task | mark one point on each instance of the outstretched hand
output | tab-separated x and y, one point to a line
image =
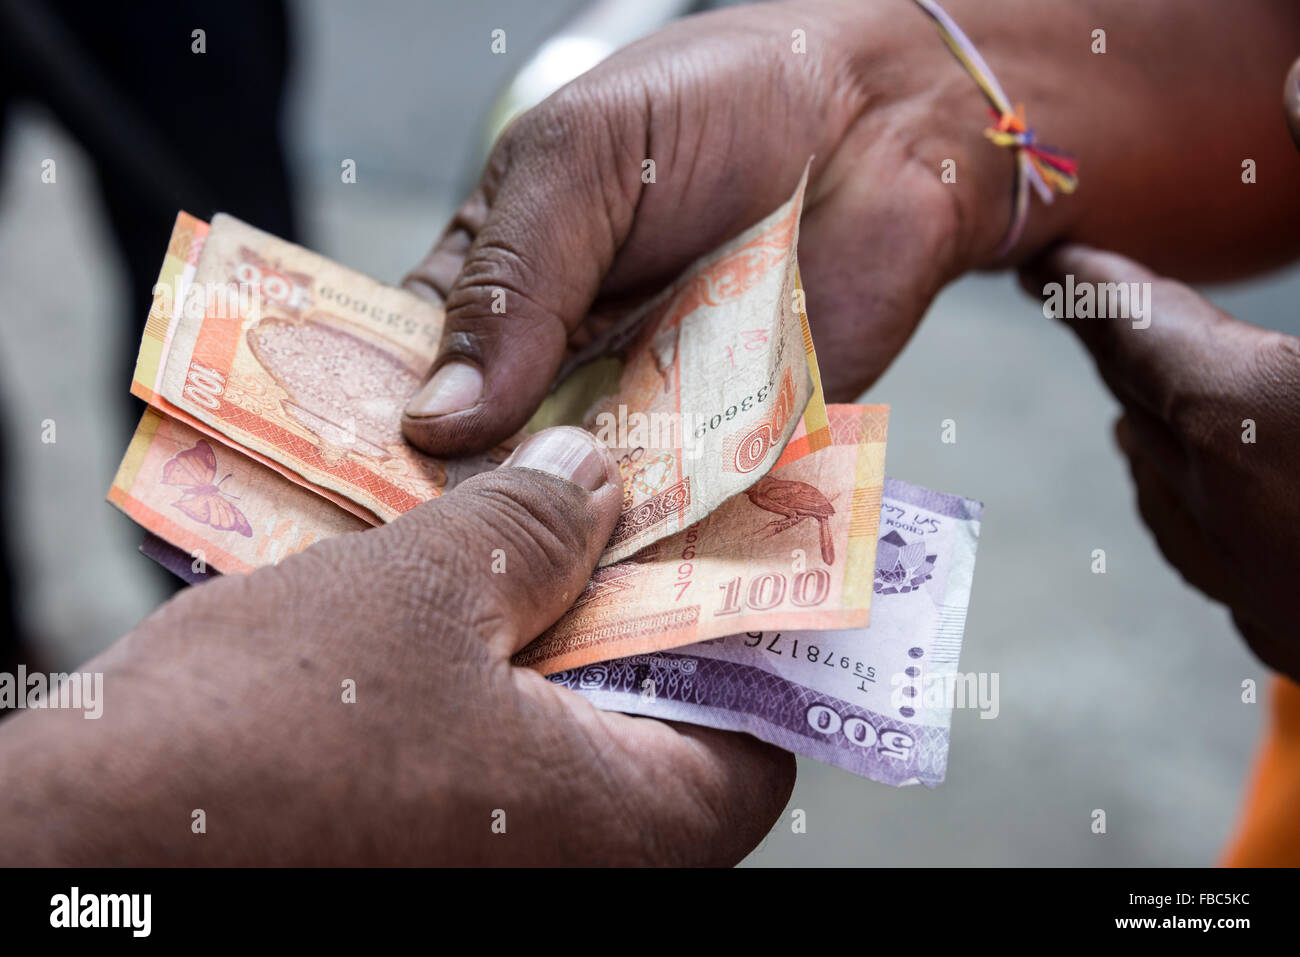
567	227
1211	429
234	699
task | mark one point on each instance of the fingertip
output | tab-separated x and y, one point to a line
444	416
1291	101
487	383
570	453
1123	432
456	386
456	413
1088	263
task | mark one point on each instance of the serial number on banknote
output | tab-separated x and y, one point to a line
782	647
744	405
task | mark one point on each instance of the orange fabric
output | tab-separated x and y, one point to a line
1269	832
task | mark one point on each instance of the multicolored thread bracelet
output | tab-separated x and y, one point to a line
1044	168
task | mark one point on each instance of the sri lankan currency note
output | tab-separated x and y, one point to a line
874	701
699	391
184	247
794	550
218	506
307	366
190	570
308	363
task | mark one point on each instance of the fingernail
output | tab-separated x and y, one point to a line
570	453
454	388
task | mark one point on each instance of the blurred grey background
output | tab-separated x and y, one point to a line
1119	691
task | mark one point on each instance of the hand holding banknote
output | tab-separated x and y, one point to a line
234	698
569	225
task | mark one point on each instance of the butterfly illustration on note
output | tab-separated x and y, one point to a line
195	471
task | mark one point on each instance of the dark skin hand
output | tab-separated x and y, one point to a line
563	223
229	699
1211	429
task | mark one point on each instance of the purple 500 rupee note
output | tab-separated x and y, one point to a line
864	699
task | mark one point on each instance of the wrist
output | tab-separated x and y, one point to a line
926	98
1006	68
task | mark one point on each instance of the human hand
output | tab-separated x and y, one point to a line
730	114
230	699
562	222
1211	428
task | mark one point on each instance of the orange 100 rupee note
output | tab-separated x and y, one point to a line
179	263
220	507
796	550
307	365
698	391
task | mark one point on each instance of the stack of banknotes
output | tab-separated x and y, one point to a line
764	576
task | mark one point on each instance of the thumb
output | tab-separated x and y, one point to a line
528	253
504	554
1155	341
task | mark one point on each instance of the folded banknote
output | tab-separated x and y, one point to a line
305	366
795	550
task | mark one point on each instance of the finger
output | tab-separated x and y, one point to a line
1140	434
504	554
894	275
1176	531
1154	340
548	220
1291	101
436	275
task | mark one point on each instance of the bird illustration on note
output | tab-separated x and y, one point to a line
794	502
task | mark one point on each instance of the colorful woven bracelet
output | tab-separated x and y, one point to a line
1042	167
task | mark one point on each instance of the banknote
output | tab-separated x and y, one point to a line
219	507
699	391
181	564
873	701
306	365
305	362
863	699
794	550
174	278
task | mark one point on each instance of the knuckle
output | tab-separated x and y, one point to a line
1186	415
559	125
1277	363
505	261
